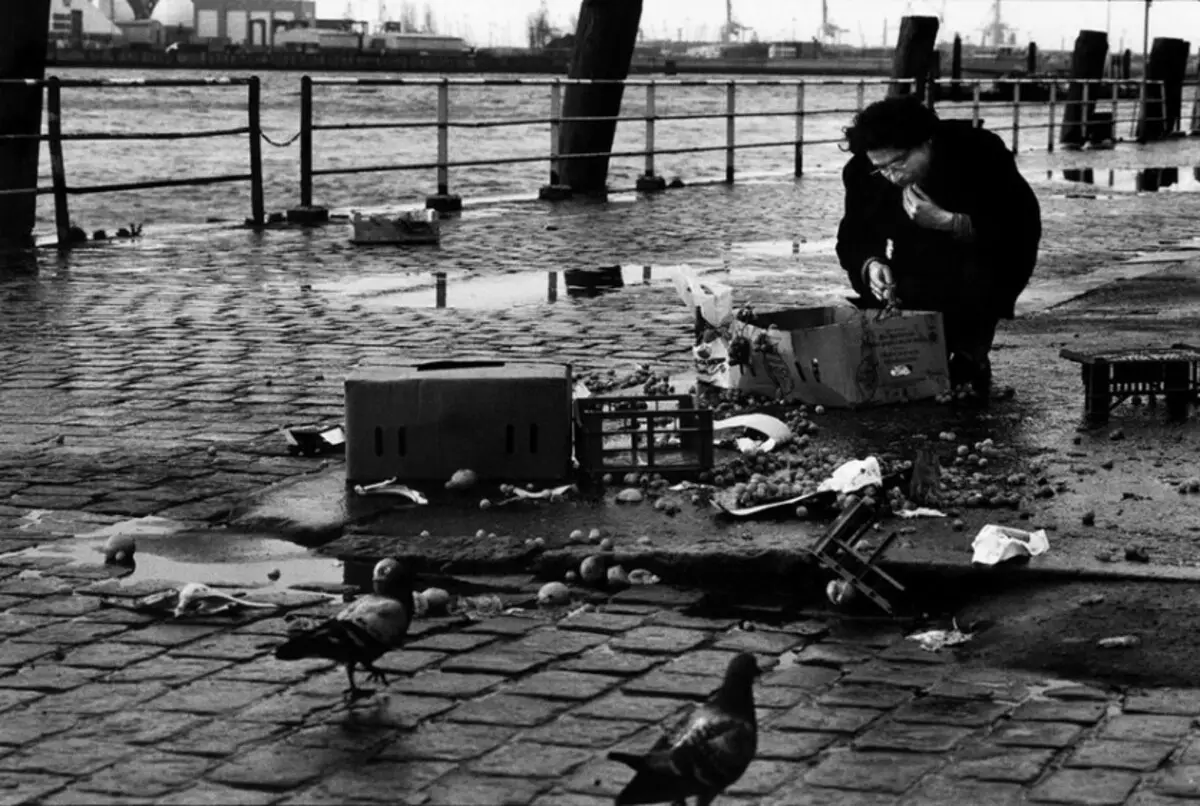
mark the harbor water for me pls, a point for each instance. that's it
(828, 108)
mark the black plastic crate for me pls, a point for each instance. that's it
(665, 434)
(1110, 377)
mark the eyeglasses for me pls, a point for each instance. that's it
(890, 167)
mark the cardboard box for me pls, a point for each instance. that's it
(505, 421)
(832, 356)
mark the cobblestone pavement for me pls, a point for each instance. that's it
(151, 378)
(100, 705)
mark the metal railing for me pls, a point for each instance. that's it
(1093, 93)
(1056, 101)
(443, 124)
(55, 137)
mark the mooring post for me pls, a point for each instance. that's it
(650, 181)
(1087, 62)
(307, 213)
(1031, 59)
(23, 42)
(1194, 125)
(1159, 115)
(913, 58)
(443, 201)
(58, 170)
(258, 215)
(604, 40)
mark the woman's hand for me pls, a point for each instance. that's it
(924, 213)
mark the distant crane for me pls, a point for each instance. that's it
(731, 28)
(829, 32)
(997, 33)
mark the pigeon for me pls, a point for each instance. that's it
(709, 753)
(362, 632)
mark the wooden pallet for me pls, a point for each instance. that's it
(838, 551)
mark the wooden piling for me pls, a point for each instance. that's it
(1160, 114)
(956, 69)
(1087, 61)
(914, 55)
(23, 42)
(604, 40)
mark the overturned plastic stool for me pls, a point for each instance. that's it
(1109, 377)
(838, 551)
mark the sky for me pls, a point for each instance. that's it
(1050, 23)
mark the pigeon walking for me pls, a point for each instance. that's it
(710, 751)
(362, 632)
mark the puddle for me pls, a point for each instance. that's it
(463, 289)
(1145, 180)
(222, 558)
(823, 246)
(473, 290)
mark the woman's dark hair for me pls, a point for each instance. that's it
(901, 121)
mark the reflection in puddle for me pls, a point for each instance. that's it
(472, 290)
(462, 289)
(824, 246)
(1145, 180)
(219, 559)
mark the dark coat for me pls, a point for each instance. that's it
(971, 171)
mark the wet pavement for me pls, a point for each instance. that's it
(150, 378)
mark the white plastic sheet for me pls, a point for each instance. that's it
(854, 476)
(994, 544)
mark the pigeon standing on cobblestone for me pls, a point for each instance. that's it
(362, 632)
(711, 751)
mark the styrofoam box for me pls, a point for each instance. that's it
(505, 421)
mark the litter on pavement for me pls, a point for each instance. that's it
(996, 544)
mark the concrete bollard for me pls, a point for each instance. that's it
(604, 42)
(914, 55)
(1087, 62)
(1159, 115)
(23, 42)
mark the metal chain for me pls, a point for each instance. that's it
(285, 144)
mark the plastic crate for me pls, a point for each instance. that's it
(665, 434)
(1112, 376)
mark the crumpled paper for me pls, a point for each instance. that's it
(921, 512)
(995, 544)
(935, 640)
(853, 476)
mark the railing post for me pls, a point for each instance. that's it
(555, 126)
(444, 201)
(975, 98)
(860, 95)
(800, 129)
(1083, 111)
(1116, 107)
(1016, 139)
(258, 215)
(730, 128)
(62, 214)
(555, 190)
(1050, 124)
(306, 144)
(650, 182)
(1141, 108)
(307, 212)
